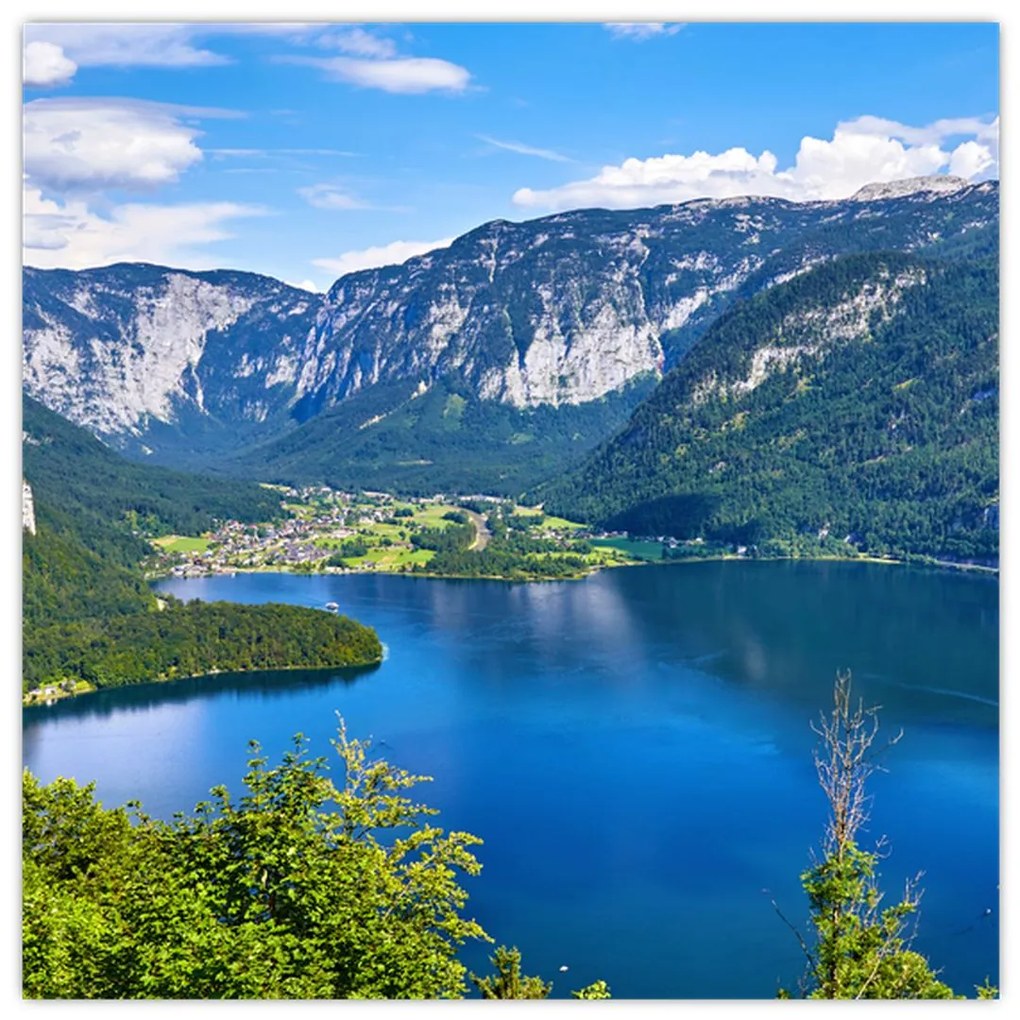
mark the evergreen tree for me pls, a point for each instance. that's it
(508, 982)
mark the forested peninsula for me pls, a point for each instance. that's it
(90, 620)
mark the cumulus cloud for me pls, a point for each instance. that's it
(90, 144)
(525, 150)
(972, 160)
(45, 64)
(861, 151)
(392, 254)
(401, 74)
(69, 235)
(78, 150)
(638, 31)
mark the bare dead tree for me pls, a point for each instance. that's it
(845, 760)
(862, 949)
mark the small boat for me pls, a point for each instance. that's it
(332, 607)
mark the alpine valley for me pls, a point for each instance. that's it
(500, 364)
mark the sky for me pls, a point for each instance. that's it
(307, 150)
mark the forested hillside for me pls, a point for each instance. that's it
(87, 614)
(395, 437)
(74, 475)
(854, 407)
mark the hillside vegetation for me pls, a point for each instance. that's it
(394, 438)
(88, 617)
(852, 408)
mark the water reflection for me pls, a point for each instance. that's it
(141, 698)
(634, 748)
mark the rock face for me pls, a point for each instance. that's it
(27, 508)
(932, 186)
(121, 348)
(557, 311)
(565, 309)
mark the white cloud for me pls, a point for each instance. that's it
(373, 62)
(402, 74)
(638, 31)
(862, 151)
(69, 235)
(75, 144)
(126, 44)
(972, 160)
(304, 285)
(45, 64)
(330, 196)
(525, 150)
(392, 254)
(357, 41)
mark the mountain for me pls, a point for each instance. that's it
(148, 357)
(558, 312)
(855, 405)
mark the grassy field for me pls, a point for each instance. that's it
(649, 551)
(561, 524)
(181, 543)
(391, 558)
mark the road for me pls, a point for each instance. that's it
(482, 533)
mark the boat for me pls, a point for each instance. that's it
(332, 607)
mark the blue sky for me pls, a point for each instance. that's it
(306, 150)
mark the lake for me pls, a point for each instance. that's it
(635, 749)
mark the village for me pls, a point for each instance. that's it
(331, 531)
(321, 520)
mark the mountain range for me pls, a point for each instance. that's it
(581, 357)
(565, 311)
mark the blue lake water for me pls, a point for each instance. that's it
(635, 750)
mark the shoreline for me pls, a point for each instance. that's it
(676, 561)
(85, 688)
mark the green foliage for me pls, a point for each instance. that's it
(455, 538)
(596, 990)
(884, 440)
(353, 547)
(508, 982)
(860, 949)
(63, 580)
(987, 990)
(521, 559)
(76, 479)
(301, 889)
(190, 639)
(445, 440)
(88, 614)
(512, 553)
